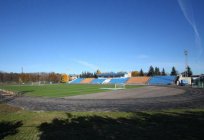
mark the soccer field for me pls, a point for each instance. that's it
(60, 90)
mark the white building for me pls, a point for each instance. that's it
(184, 80)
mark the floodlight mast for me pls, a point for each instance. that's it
(186, 62)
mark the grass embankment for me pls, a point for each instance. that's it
(168, 125)
(60, 90)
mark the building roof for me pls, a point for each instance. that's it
(112, 74)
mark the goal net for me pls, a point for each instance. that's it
(119, 86)
(115, 87)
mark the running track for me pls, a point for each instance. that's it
(162, 98)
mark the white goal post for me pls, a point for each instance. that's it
(120, 86)
(116, 87)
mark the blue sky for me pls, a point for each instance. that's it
(71, 36)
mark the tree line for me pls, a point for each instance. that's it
(156, 72)
(153, 71)
(87, 74)
(44, 77)
(56, 77)
(29, 77)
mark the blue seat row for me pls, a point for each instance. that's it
(98, 81)
(162, 80)
(77, 81)
(155, 80)
(118, 80)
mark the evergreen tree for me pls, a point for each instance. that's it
(87, 75)
(141, 73)
(173, 71)
(95, 75)
(151, 71)
(190, 73)
(163, 72)
(157, 71)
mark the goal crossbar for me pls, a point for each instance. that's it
(116, 87)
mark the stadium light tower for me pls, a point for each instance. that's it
(186, 62)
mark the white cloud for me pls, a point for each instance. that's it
(187, 11)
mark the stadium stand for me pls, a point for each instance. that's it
(138, 80)
(98, 81)
(77, 81)
(162, 80)
(118, 80)
(107, 81)
(87, 80)
(155, 80)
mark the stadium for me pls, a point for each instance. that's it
(102, 106)
(108, 87)
(101, 70)
(61, 111)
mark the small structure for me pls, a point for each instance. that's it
(182, 81)
(198, 81)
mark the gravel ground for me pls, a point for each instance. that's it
(131, 100)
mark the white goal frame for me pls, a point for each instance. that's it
(120, 86)
(117, 87)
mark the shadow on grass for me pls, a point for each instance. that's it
(9, 128)
(141, 126)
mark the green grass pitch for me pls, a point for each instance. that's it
(60, 90)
